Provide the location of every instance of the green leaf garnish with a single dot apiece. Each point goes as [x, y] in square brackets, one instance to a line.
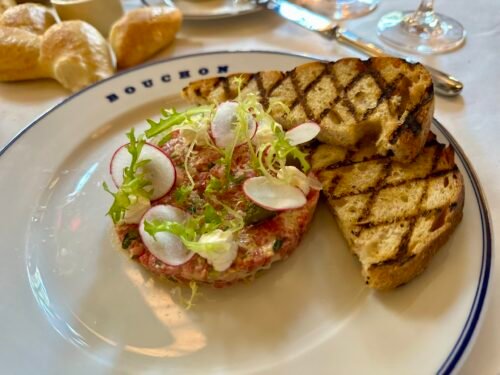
[212, 219]
[277, 244]
[214, 186]
[171, 118]
[130, 236]
[182, 193]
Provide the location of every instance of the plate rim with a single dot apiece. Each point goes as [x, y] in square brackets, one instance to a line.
[474, 319]
[473, 322]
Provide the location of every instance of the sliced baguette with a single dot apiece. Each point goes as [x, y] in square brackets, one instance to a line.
[394, 216]
[385, 100]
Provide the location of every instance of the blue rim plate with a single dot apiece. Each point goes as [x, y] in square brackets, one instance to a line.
[70, 303]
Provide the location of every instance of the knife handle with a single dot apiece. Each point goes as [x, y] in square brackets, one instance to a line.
[444, 84]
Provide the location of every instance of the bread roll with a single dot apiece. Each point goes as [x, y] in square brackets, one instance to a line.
[5, 4]
[19, 55]
[142, 32]
[34, 18]
[76, 54]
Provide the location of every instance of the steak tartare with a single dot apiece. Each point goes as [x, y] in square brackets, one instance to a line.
[213, 194]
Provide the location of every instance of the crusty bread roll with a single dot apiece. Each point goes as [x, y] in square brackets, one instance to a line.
[34, 18]
[73, 52]
[5, 4]
[142, 32]
[19, 55]
[76, 54]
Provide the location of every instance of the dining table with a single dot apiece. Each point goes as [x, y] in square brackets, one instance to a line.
[472, 117]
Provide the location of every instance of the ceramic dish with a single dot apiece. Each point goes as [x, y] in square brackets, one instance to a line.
[214, 9]
[72, 302]
[202, 9]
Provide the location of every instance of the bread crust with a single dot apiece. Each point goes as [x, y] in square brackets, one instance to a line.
[19, 55]
[6, 4]
[34, 18]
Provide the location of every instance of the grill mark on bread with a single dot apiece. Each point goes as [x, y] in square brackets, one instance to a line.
[386, 91]
[218, 82]
[347, 162]
[245, 83]
[330, 73]
[278, 83]
[371, 189]
[352, 110]
[433, 211]
[358, 77]
[402, 255]
[264, 99]
[335, 80]
[411, 122]
[381, 82]
[344, 94]
[301, 95]
[348, 159]
[375, 191]
[333, 184]
[225, 87]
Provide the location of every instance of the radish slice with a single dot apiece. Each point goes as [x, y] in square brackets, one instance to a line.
[136, 210]
[167, 246]
[223, 128]
[293, 176]
[314, 183]
[302, 133]
[272, 195]
[160, 170]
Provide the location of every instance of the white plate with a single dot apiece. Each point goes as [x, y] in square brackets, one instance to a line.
[72, 302]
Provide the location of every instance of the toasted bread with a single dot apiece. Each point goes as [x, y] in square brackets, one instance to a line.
[386, 100]
[394, 216]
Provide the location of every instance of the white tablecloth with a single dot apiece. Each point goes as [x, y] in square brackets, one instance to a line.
[472, 118]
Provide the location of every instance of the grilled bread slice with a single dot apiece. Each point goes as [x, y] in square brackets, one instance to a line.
[394, 216]
[386, 100]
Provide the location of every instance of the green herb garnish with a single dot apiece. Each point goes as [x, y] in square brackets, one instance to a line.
[182, 193]
[277, 244]
[130, 236]
[171, 118]
[134, 184]
[214, 186]
[255, 214]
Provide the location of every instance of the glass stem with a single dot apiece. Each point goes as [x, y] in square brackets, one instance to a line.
[424, 21]
[426, 6]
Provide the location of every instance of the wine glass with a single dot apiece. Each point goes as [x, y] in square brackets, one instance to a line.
[340, 9]
[423, 31]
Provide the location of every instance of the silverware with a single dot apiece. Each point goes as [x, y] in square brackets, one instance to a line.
[444, 84]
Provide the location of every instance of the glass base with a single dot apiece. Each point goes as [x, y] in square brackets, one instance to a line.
[437, 34]
[340, 9]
